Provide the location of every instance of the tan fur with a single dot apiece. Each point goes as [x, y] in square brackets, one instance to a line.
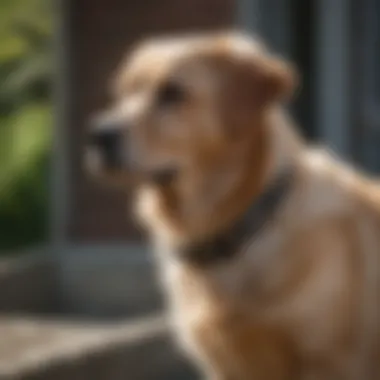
[301, 301]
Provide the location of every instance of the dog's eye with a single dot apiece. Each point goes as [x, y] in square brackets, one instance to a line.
[171, 94]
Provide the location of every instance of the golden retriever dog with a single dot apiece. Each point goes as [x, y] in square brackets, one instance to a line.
[268, 248]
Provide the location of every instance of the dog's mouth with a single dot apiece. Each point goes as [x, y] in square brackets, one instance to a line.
[115, 170]
[163, 176]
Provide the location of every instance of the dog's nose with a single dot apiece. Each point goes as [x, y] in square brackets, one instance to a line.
[108, 143]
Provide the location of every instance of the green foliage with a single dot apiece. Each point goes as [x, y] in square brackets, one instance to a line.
[25, 120]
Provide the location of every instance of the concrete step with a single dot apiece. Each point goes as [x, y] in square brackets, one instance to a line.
[38, 349]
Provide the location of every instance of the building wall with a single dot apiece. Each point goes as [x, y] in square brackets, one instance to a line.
[100, 34]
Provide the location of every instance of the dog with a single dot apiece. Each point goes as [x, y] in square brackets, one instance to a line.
[268, 247]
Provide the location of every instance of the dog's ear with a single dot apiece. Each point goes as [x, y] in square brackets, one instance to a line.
[251, 83]
[261, 79]
[271, 80]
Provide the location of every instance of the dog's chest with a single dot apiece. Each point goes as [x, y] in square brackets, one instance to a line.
[221, 312]
[214, 322]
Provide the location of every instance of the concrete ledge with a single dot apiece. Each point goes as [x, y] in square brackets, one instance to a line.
[101, 281]
[28, 282]
[108, 281]
[56, 350]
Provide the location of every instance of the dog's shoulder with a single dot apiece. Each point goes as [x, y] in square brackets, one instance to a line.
[333, 185]
[336, 190]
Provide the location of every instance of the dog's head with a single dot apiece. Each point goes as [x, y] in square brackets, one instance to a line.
[185, 102]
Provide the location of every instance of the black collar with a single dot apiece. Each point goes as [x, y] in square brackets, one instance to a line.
[228, 243]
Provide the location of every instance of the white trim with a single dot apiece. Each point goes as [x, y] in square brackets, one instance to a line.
[276, 25]
[248, 14]
[332, 79]
[282, 20]
[59, 168]
[269, 19]
[127, 251]
[369, 65]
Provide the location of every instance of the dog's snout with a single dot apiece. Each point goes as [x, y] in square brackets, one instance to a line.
[105, 139]
[108, 142]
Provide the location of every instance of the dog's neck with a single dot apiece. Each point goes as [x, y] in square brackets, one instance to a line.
[229, 242]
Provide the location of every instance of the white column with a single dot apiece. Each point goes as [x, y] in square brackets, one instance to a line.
[59, 169]
[332, 80]
[283, 27]
[270, 19]
[248, 15]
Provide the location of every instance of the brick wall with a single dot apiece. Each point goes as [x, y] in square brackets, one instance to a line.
[101, 31]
